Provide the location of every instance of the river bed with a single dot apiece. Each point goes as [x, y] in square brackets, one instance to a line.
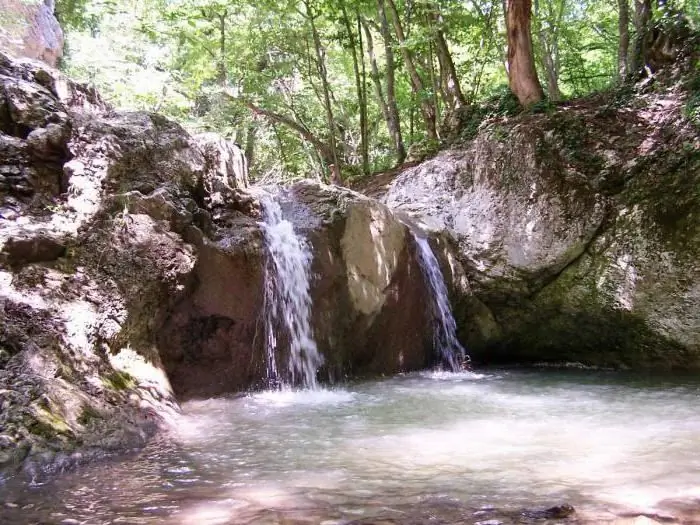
[419, 448]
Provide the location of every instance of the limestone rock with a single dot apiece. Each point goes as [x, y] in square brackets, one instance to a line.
[369, 297]
[30, 29]
[37, 248]
[228, 167]
[578, 233]
[368, 311]
[95, 207]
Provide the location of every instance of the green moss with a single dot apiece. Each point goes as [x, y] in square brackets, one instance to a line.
[88, 415]
[424, 149]
[118, 380]
[499, 133]
[5, 356]
[668, 191]
[47, 424]
[570, 140]
[470, 119]
[543, 106]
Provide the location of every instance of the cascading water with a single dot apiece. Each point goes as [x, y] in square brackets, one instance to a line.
[445, 330]
[287, 300]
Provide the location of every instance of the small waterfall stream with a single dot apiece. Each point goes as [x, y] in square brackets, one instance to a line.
[287, 300]
[445, 330]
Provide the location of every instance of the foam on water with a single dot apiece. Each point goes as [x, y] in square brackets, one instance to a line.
[289, 397]
[444, 375]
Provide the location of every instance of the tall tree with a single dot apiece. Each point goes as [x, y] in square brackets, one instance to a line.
[623, 46]
[359, 83]
[548, 16]
[522, 75]
[448, 73]
[393, 119]
[642, 23]
[323, 74]
[427, 106]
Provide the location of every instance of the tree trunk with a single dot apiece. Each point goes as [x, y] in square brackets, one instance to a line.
[427, 108]
[623, 48]
[221, 65]
[363, 88]
[250, 138]
[393, 118]
[358, 86]
[436, 83]
[548, 45]
[553, 92]
[448, 72]
[642, 21]
[522, 75]
[376, 77]
[487, 40]
[323, 74]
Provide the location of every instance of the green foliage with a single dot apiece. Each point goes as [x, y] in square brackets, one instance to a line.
[84, 14]
[209, 63]
[501, 103]
[692, 105]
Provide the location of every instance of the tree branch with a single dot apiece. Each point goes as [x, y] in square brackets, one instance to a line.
[321, 147]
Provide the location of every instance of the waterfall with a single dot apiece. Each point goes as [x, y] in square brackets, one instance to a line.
[445, 327]
[287, 301]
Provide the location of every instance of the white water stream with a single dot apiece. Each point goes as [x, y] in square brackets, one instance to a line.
[287, 307]
[451, 351]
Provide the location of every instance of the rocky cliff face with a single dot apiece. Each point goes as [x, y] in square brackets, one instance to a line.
[132, 273]
[578, 231]
[30, 29]
[368, 312]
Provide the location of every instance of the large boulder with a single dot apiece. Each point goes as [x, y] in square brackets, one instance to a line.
[101, 216]
[369, 296]
[368, 312]
[30, 29]
[577, 230]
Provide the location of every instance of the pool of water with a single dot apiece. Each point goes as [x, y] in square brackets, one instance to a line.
[447, 446]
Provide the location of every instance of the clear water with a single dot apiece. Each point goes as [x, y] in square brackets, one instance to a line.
[451, 443]
[445, 327]
[287, 300]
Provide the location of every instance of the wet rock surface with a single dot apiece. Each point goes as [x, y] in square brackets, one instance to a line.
[369, 297]
[368, 312]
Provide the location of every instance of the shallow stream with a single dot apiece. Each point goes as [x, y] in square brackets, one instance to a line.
[421, 448]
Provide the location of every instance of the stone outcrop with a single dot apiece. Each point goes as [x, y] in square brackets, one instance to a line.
[132, 265]
[368, 310]
[101, 216]
[30, 29]
[369, 297]
[577, 230]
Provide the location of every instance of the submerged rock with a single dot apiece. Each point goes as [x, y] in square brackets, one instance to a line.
[578, 232]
